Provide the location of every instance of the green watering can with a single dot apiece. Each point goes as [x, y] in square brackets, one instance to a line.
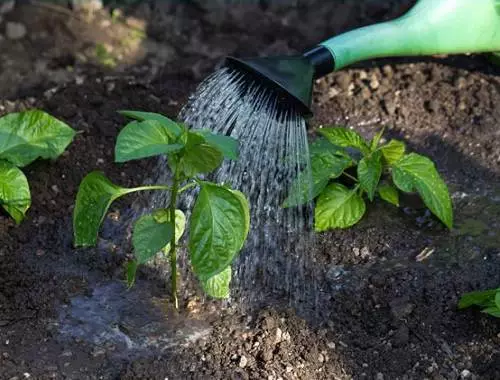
[431, 27]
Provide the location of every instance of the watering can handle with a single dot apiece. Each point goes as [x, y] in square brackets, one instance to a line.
[431, 27]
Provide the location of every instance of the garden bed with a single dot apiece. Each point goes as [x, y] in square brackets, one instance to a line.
[388, 288]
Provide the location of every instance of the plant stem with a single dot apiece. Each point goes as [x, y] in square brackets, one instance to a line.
[187, 187]
[350, 176]
[150, 187]
[173, 255]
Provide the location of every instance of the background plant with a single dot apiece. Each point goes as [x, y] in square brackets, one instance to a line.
[25, 137]
[220, 218]
[487, 300]
[341, 155]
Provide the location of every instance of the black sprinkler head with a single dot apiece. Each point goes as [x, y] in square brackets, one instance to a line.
[292, 76]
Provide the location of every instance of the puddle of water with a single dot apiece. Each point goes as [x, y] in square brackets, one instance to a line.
[127, 322]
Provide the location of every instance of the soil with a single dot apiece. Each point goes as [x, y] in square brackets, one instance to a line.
[383, 312]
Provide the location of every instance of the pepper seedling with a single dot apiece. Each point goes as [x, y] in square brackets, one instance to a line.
[25, 137]
[220, 218]
[373, 169]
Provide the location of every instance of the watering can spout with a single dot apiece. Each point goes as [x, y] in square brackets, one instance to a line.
[431, 27]
[291, 76]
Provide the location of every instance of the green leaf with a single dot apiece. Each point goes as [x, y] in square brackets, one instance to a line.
[218, 229]
[482, 298]
[198, 156]
[493, 311]
[227, 145]
[95, 195]
[131, 273]
[145, 139]
[344, 138]
[26, 136]
[174, 128]
[218, 286]
[376, 140]
[415, 172]
[369, 173]
[246, 214]
[389, 194]
[338, 207]
[326, 163]
[15, 195]
[150, 237]
[497, 299]
[393, 151]
[163, 216]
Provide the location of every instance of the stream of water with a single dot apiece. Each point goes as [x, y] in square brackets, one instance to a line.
[273, 152]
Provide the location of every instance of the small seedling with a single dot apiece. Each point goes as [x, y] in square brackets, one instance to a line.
[25, 137]
[220, 218]
[104, 56]
[341, 155]
[487, 300]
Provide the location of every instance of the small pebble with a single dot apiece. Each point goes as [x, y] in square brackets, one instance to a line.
[243, 361]
[15, 30]
[374, 83]
[466, 374]
[279, 335]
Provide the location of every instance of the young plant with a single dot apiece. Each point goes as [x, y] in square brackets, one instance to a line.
[220, 218]
[341, 155]
[488, 301]
[24, 137]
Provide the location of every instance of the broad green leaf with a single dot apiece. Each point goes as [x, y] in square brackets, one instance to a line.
[26, 136]
[174, 128]
[95, 195]
[218, 229]
[338, 207]
[493, 311]
[389, 194]
[218, 286]
[163, 216]
[145, 139]
[131, 272]
[369, 173]
[344, 138]
[150, 237]
[497, 299]
[326, 164]
[376, 140]
[321, 145]
[15, 195]
[246, 213]
[198, 156]
[482, 298]
[304, 189]
[227, 145]
[393, 151]
[415, 172]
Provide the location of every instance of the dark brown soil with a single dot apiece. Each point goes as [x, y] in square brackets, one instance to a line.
[382, 313]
